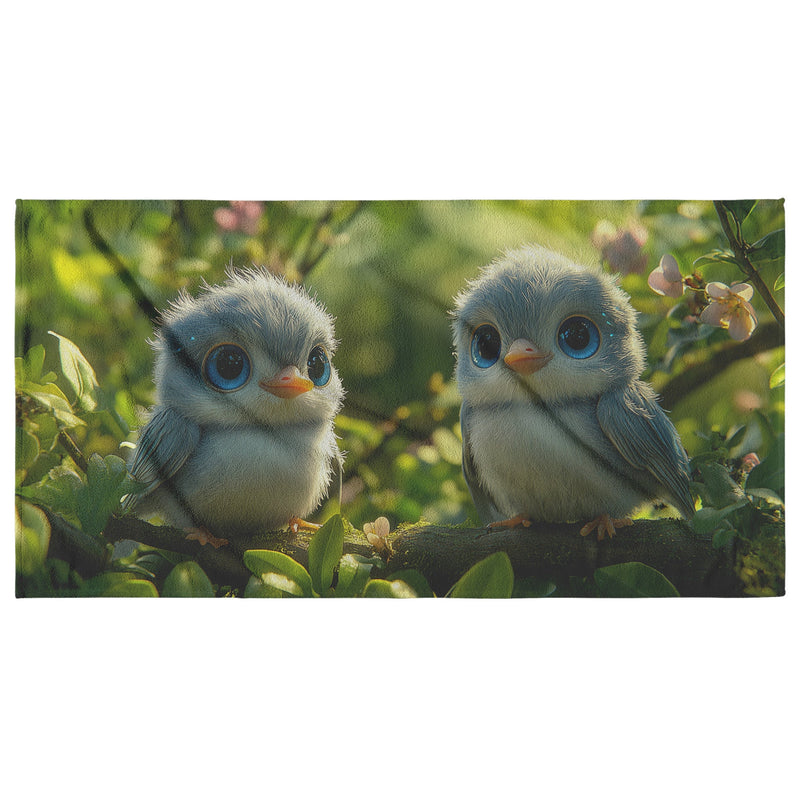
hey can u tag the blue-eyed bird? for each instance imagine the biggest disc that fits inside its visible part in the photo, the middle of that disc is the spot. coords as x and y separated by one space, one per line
556 425
241 438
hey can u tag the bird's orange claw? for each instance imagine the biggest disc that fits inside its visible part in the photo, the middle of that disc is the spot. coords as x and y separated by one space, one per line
296 524
204 537
605 525
519 521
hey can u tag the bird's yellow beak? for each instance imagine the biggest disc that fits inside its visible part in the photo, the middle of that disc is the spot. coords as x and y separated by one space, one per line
526 358
287 383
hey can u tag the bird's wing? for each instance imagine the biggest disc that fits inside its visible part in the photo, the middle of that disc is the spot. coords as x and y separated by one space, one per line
164 444
484 504
642 433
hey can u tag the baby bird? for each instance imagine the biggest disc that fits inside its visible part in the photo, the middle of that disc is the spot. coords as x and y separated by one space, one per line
241 437
556 425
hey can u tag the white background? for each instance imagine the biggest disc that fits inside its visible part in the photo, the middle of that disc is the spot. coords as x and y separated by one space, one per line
566 698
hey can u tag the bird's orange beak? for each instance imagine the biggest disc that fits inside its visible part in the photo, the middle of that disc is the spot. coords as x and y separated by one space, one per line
526 358
287 383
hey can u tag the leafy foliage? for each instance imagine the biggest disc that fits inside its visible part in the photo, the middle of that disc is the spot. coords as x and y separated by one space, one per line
91 275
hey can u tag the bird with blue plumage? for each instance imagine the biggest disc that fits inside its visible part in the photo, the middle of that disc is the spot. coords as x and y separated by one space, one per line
241 438
556 424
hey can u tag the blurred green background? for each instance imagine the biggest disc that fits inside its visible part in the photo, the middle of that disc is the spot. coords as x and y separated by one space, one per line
93 271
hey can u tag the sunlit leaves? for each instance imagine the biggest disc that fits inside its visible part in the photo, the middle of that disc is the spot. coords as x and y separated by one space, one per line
740 209
31 536
632 579
493 577
106 483
118 584
27 451
778 377
78 372
354 572
395 589
324 552
187 579
770 248
279 570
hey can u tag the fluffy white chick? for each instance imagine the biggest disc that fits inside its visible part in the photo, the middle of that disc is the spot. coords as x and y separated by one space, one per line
556 425
241 438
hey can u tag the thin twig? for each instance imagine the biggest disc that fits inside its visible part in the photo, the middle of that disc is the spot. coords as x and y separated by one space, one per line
73 450
121 269
740 253
767 337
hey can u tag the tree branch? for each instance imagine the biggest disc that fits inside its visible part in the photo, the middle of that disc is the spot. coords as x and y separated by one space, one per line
442 554
553 551
766 337
746 265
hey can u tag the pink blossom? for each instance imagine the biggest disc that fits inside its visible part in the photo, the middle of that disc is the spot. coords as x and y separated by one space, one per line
729 308
666 278
749 461
243 215
621 248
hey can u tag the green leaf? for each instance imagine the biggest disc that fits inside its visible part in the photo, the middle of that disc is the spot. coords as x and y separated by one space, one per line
780 282
415 580
279 582
257 588
27 451
740 208
533 587
57 490
707 520
395 589
770 248
78 372
34 362
769 474
715 257
491 577
117 584
735 439
778 377
723 538
31 536
354 572
50 396
632 579
719 487
187 579
324 552
99 497
766 494
264 562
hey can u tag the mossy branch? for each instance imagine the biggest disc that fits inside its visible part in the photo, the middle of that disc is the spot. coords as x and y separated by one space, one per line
443 554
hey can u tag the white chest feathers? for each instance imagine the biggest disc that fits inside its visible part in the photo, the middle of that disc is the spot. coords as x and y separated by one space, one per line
553 465
250 478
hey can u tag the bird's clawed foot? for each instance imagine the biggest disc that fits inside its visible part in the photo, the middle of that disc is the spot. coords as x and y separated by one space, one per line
296 524
519 521
605 525
204 537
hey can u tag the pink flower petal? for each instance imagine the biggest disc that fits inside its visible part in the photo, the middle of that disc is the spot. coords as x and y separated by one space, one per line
660 285
741 325
714 314
669 266
225 218
657 282
743 290
717 290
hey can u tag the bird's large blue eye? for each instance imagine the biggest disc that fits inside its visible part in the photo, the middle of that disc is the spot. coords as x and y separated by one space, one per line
578 337
226 367
319 367
485 347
